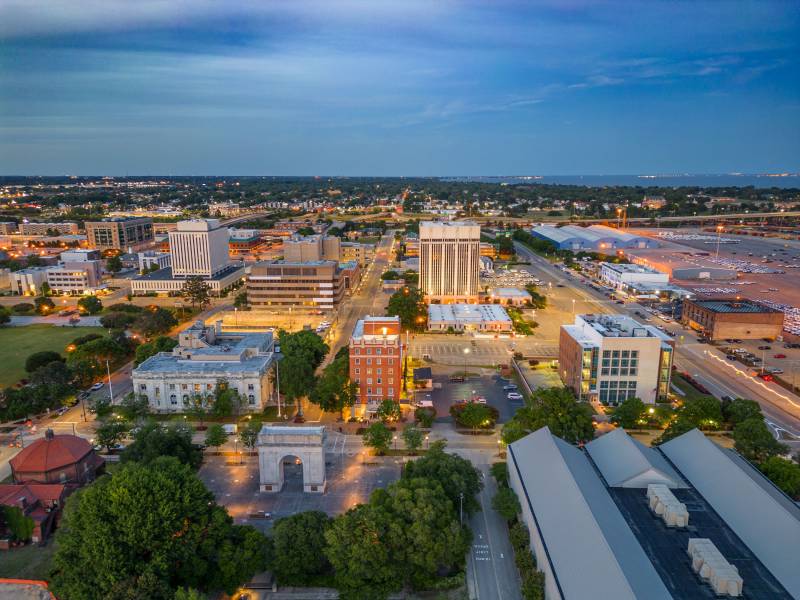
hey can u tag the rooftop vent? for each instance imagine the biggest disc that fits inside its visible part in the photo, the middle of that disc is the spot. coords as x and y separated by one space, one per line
709 563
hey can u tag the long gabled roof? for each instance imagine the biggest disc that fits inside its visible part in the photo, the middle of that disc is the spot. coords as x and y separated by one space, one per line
590 547
626 463
752 507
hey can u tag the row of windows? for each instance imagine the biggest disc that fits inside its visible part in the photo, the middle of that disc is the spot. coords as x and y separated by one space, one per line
620 354
185 386
377 372
389 392
357 350
389 361
631 385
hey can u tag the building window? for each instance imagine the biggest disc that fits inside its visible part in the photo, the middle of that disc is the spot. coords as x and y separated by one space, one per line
358 371
250 387
142 387
369 380
391 361
369 361
173 399
378 371
358 361
378 361
251 398
377 350
196 387
184 386
185 399
171 387
209 386
379 381
391 392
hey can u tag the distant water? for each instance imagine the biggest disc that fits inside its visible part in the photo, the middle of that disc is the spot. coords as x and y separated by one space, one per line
731 180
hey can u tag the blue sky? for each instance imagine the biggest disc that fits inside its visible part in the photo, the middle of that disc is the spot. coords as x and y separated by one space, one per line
412 87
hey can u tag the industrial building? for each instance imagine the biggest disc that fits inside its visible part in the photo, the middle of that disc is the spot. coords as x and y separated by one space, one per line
623 276
468 317
595 238
620 520
205 355
613 357
449 258
726 318
376 362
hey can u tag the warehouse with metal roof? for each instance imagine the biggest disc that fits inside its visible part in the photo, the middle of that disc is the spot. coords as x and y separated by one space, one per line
596 531
596 238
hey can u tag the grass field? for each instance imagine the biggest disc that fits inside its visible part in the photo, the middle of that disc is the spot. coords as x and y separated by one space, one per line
28 562
17 343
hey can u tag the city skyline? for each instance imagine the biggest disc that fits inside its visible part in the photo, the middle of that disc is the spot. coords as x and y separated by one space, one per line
408 88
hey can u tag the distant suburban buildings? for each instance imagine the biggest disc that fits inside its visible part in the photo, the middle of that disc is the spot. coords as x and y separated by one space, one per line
654 202
224 209
613 357
449 254
8 227
205 356
198 248
376 362
686 519
242 241
595 238
31 228
725 318
468 317
315 284
121 233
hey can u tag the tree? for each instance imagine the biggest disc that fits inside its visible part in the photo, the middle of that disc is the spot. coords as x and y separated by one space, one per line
44 306
425 416
39 359
44 289
18 523
240 301
334 391
783 473
299 547
160 344
154 523
216 436
90 305
5 315
23 308
629 413
116 320
506 503
753 440
55 375
474 415
378 437
513 430
153 441
154 321
248 435
705 412
412 438
196 291
409 305
114 264
302 353
134 407
189 594
557 409
227 400
364 567
739 410
499 471
390 276
678 426
111 433
456 475
389 411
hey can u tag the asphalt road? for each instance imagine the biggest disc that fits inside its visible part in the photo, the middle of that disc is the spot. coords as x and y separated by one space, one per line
781 409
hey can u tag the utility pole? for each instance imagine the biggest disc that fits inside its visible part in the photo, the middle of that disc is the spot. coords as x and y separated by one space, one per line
278 383
461 507
719 232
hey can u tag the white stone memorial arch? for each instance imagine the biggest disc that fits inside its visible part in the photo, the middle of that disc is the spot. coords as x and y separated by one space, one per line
275 443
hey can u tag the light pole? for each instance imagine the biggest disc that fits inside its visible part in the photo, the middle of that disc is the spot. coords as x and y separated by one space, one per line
236 316
573 306
110 389
278 383
461 507
426 442
466 352
719 232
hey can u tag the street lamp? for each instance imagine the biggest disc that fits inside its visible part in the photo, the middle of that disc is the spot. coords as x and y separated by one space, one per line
573 306
719 232
466 352
426 442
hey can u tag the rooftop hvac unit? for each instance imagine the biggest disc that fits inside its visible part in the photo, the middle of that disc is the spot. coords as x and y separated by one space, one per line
708 562
664 504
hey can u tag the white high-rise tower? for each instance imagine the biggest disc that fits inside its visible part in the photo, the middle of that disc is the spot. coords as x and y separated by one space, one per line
199 248
449 261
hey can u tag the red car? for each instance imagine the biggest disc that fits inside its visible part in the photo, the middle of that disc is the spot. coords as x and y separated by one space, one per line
779 356
765 376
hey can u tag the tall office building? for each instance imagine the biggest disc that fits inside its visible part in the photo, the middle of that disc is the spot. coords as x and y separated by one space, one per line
612 357
199 248
311 248
449 261
120 233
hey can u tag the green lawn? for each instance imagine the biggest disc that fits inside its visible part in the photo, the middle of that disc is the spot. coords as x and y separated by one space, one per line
687 388
17 343
27 562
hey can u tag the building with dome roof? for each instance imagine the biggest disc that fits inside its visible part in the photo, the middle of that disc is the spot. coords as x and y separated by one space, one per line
67 459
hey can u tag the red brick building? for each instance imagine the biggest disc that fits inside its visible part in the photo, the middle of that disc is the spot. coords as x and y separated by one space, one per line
54 458
38 501
376 362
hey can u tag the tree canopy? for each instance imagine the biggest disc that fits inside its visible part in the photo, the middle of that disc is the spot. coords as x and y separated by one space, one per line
334 392
556 408
90 305
302 353
153 440
408 304
753 440
299 548
197 292
154 321
160 344
629 412
151 526
39 359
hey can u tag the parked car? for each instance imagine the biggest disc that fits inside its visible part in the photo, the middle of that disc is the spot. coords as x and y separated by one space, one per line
514 396
457 378
731 356
765 347
97 386
480 400
774 370
779 356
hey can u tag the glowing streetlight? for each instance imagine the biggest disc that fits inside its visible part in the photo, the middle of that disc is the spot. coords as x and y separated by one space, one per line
466 352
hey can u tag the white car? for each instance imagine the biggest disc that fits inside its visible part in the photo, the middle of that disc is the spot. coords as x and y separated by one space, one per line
97 386
514 396
480 400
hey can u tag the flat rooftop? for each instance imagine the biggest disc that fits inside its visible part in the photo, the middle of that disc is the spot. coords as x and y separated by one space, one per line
467 313
630 268
617 326
734 306
165 274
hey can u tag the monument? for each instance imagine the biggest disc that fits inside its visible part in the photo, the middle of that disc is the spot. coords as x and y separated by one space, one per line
277 443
